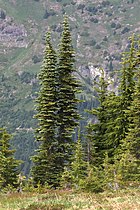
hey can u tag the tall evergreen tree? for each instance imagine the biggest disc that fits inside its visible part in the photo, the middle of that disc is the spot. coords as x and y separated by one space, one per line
44 169
57 111
134 110
126 90
67 101
98 129
123 111
118 105
8 164
112 112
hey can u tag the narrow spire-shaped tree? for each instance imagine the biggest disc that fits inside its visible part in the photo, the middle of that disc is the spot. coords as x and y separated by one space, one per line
57 111
124 128
98 129
78 165
8 164
134 110
127 85
44 169
67 101
76 172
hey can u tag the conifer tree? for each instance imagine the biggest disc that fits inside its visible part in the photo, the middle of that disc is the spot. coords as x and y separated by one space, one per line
74 175
89 145
112 112
45 168
57 111
78 165
98 129
8 164
121 127
118 106
67 101
134 111
126 90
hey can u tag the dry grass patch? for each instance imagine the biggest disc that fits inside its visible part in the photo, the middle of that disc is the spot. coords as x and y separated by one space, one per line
59 200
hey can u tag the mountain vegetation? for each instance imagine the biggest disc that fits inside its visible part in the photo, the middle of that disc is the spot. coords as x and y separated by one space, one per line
103 153
100 32
8 164
50 199
57 111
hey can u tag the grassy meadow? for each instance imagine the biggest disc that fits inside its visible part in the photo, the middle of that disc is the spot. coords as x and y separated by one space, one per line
59 199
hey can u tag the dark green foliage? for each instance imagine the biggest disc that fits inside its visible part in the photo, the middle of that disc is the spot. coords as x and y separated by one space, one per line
67 102
74 175
97 130
126 90
111 134
78 165
123 111
44 170
25 148
89 145
134 128
115 134
15 94
134 109
57 111
8 164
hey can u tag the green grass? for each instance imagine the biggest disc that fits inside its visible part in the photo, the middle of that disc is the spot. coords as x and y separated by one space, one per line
57 200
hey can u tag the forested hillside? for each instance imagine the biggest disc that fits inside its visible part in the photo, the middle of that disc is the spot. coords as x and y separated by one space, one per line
100 32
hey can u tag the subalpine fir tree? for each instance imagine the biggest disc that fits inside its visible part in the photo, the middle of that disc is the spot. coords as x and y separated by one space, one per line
45 163
118 105
126 90
67 101
112 112
74 175
98 129
89 145
57 111
134 110
78 165
122 128
133 136
8 164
